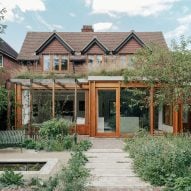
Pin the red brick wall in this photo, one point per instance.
(130, 47)
(55, 47)
(10, 69)
(95, 49)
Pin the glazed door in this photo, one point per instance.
(106, 112)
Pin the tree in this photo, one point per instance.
(2, 17)
(169, 69)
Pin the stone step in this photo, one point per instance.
(105, 151)
(130, 188)
(110, 160)
(102, 165)
(117, 181)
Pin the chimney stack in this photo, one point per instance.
(87, 28)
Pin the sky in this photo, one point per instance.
(172, 17)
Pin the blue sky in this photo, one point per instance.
(172, 17)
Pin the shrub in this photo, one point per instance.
(55, 128)
(160, 159)
(11, 178)
(75, 176)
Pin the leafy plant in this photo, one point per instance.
(11, 178)
(161, 160)
(55, 127)
(75, 176)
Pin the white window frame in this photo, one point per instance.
(1, 64)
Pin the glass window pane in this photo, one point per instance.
(1, 61)
(134, 113)
(90, 60)
(99, 59)
(123, 60)
(56, 62)
(106, 120)
(64, 63)
(130, 60)
(46, 63)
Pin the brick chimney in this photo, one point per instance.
(87, 28)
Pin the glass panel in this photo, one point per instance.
(42, 106)
(64, 105)
(56, 62)
(134, 113)
(123, 61)
(130, 60)
(99, 59)
(1, 61)
(106, 120)
(64, 63)
(46, 63)
(90, 60)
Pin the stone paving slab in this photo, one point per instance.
(112, 168)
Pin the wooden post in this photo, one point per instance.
(180, 118)
(31, 105)
(18, 106)
(151, 112)
(75, 110)
(118, 110)
(53, 99)
(8, 86)
(175, 121)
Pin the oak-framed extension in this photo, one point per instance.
(92, 86)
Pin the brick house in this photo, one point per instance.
(100, 107)
(8, 61)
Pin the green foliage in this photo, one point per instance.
(2, 17)
(39, 185)
(10, 178)
(55, 128)
(169, 68)
(75, 176)
(3, 99)
(160, 159)
(82, 146)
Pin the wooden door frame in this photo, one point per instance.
(117, 99)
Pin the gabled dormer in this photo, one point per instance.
(55, 44)
(129, 45)
(95, 47)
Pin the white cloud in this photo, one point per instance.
(47, 26)
(72, 14)
(16, 7)
(29, 27)
(103, 26)
(182, 28)
(129, 7)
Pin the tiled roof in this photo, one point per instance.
(78, 40)
(6, 49)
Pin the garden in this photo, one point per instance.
(163, 161)
(54, 135)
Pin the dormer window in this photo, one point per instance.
(95, 60)
(1, 61)
(55, 63)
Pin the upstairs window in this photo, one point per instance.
(123, 60)
(1, 61)
(99, 59)
(47, 63)
(130, 61)
(94, 60)
(64, 63)
(57, 63)
(90, 59)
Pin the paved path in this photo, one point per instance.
(111, 167)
